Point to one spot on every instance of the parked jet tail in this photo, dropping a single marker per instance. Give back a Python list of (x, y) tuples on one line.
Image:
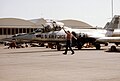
[(111, 26), (113, 32)]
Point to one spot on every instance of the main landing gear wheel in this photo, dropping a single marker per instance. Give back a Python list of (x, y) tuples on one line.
[(97, 45), (79, 47)]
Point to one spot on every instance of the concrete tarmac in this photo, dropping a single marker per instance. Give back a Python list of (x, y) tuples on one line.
[(45, 64)]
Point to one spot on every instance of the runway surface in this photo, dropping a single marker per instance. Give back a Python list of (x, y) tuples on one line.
[(45, 64)]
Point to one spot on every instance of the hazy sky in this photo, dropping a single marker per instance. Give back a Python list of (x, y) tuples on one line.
[(94, 12)]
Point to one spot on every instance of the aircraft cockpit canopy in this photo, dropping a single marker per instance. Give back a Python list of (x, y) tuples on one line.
[(58, 26), (53, 26), (48, 27)]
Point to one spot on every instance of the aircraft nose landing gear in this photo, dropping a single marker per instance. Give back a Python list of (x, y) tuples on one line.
[(59, 47), (113, 48)]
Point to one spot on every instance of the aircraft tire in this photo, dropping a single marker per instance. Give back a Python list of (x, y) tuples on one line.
[(97, 45), (113, 48), (59, 47), (79, 47)]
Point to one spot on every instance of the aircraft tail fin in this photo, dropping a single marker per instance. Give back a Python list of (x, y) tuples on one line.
[(114, 24)]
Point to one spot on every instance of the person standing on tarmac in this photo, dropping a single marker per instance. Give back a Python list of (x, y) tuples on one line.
[(69, 41)]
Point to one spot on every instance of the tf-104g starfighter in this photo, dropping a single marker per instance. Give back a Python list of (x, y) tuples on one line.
[(53, 34)]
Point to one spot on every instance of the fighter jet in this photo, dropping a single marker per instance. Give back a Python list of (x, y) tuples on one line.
[(113, 33), (53, 34)]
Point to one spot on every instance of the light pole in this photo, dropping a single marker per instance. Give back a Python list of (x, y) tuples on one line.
[(112, 7)]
